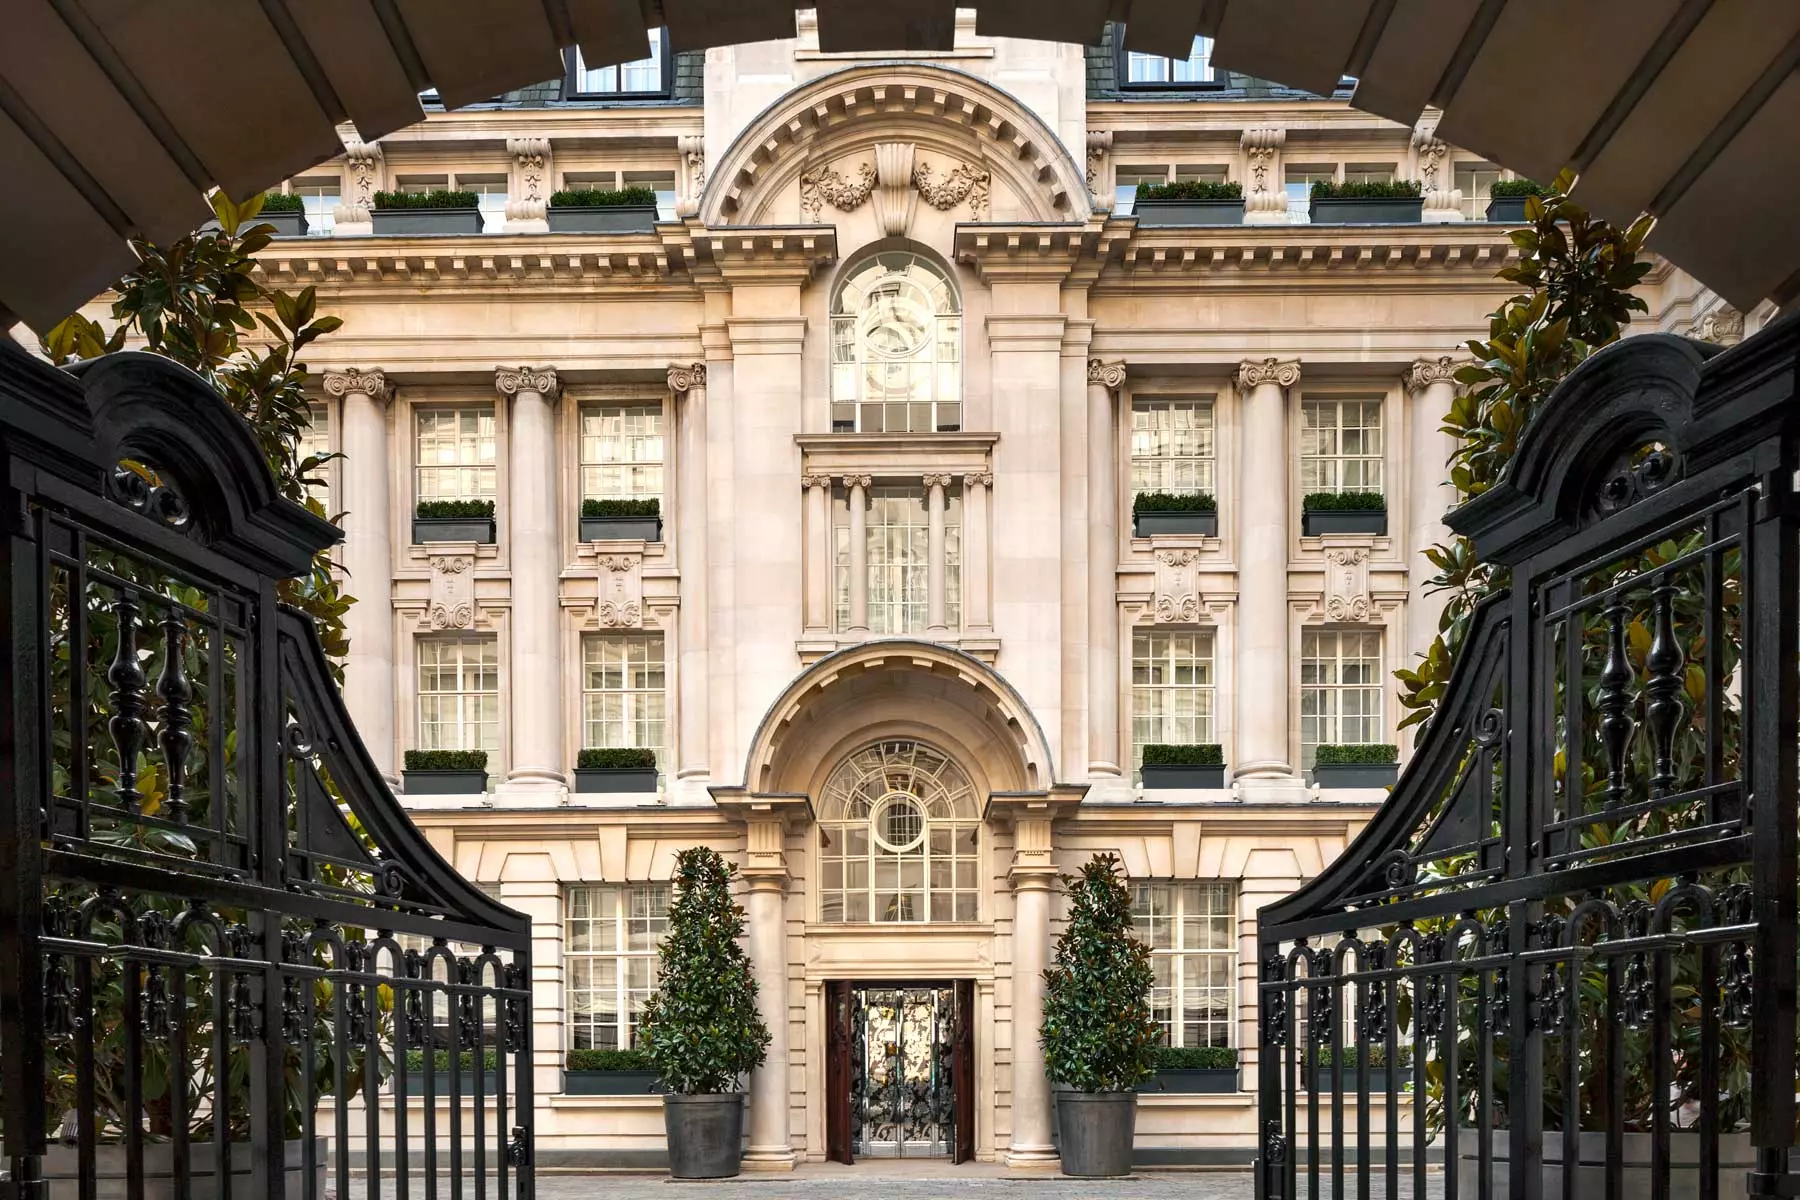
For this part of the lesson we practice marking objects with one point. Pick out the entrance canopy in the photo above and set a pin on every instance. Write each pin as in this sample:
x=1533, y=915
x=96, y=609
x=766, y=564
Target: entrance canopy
x=116, y=115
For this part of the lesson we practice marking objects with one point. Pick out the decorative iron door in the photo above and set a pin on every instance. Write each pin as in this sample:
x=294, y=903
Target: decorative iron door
x=902, y=1098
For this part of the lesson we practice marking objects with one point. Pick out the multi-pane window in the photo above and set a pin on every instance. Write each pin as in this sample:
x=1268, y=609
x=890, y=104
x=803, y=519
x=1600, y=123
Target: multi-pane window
x=1299, y=179
x=610, y=939
x=459, y=693
x=454, y=449
x=315, y=442
x=623, y=701
x=1171, y=689
x=898, y=555
x=660, y=182
x=1340, y=446
x=1340, y=689
x=321, y=197
x=1127, y=178
x=1154, y=68
x=1368, y=172
x=1172, y=446
x=899, y=837
x=490, y=196
x=1190, y=929
x=621, y=452
x=643, y=76
x=896, y=348
x=1473, y=180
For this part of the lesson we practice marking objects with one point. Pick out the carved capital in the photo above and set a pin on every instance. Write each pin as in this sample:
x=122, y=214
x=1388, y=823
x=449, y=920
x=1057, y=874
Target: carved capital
x=1426, y=371
x=353, y=381
x=686, y=376
x=1109, y=375
x=542, y=380
x=815, y=481
x=938, y=481
x=1256, y=372
x=1723, y=325
x=858, y=481
x=979, y=479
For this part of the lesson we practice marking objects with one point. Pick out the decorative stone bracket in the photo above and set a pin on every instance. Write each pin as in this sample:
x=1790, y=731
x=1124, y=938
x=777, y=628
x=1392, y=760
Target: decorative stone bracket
x=364, y=160
x=1265, y=197
x=1101, y=179
x=526, y=211
x=691, y=179
x=1443, y=202
x=1347, y=585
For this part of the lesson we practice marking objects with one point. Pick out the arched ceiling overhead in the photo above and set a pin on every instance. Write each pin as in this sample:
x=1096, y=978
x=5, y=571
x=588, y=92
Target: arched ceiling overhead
x=115, y=115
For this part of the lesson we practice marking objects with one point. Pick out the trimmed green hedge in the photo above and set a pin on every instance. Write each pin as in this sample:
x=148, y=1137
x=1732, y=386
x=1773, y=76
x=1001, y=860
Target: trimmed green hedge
x=602, y=197
x=1387, y=189
x=615, y=758
x=1190, y=189
x=1325, y=1055
x=607, y=1060
x=1145, y=502
x=446, y=760
x=1515, y=187
x=439, y=510
x=621, y=508
x=283, y=202
x=1362, y=754
x=490, y=1060
x=1196, y=1058
x=435, y=199
x=1200, y=754
x=1344, y=502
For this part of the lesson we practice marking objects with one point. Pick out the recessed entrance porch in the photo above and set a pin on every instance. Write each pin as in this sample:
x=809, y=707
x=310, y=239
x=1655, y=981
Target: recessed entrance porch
x=900, y=1070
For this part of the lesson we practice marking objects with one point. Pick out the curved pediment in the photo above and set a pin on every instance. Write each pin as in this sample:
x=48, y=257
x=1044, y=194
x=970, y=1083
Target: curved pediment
x=893, y=137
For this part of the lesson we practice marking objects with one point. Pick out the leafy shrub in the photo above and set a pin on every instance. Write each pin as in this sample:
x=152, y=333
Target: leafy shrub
x=435, y=199
x=1515, y=187
x=621, y=508
x=1099, y=1034
x=615, y=759
x=1180, y=502
x=607, y=1060
x=1196, y=1058
x=1344, y=502
x=453, y=510
x=282, y=202
x=1324, y=1056
x=1199, y=754
x=415, y=1060
x=1379, y=189
x=1190, y=189
x=446, y=760
x=1360, y=754
x=602, y=197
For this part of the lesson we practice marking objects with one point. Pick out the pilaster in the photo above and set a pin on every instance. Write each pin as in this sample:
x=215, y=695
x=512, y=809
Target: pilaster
x=1106, y=381
x=537, y=763
x=687, y=384
x=1430, y=387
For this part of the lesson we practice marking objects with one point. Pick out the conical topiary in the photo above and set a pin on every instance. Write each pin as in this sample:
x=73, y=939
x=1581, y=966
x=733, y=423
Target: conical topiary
x=701, y=1029
x=1099, y=1033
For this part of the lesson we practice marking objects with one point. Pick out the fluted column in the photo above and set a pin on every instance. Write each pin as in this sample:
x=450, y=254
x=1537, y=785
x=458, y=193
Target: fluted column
x=935, y=570
x=1104, y=382
x=1430, y=386
x=368, y=559
x=818, y=553
x=1263, y=680
x=977, y=586
x=688, y=384
x=858, y=487
x=537, y=759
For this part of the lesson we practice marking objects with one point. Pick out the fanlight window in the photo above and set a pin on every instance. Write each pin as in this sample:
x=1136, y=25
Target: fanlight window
x=896, y=349
x=899, y=837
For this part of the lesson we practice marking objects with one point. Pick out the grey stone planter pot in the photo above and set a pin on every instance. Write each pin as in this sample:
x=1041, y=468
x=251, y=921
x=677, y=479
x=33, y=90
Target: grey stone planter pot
x=287, y=224
x=1343, y=520
x=406, y=222
x=612, y=218
x=1384, y=210
x=615, y=779
x=1509, y=210
x=621, y=529
x=1736, y=1160
x=1161, y=214
x=60, y=1168
x=706, y=1135
x=1355, y=775
x=1150, y=524
x=1158, y=778
x=609, y=1083
x=453, y=529
x=1095, y=1132
x=1193, y=1081
x=444, y=783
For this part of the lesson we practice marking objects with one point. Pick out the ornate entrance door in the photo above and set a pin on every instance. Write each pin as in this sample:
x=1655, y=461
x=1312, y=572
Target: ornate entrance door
x=901, y=1094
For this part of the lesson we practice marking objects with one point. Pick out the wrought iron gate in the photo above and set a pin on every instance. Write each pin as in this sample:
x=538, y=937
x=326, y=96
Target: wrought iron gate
x=229, y=964
x=903, y=1099
x=1569, y=935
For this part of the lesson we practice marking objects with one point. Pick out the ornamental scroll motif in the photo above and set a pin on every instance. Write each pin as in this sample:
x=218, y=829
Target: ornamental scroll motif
x=1177, y=587
x=621, y=603
x=1426, y=371
x=822, y=184
x=965, y=182
x=452, y=600
x=1252, y=373
x=686, y=376
x=1109, y=375
x=541, y=380
x=1347, y=585
x=353, y=381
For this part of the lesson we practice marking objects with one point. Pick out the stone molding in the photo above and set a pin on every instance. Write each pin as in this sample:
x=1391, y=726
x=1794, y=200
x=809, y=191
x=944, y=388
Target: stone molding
x=542, y=380
x=1256, y=372
x=684, y=377
x=1266, y=196
x=1423, y=372
x=354, y=381
x=1109, y=375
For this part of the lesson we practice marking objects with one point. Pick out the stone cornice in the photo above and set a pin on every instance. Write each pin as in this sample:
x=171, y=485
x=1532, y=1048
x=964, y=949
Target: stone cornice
x=895, y=455
x=1299, y=250
x=1024, y=252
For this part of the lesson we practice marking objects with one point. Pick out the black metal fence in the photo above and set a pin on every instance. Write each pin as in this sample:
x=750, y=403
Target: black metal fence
x=1561, y=959
x=229, y=964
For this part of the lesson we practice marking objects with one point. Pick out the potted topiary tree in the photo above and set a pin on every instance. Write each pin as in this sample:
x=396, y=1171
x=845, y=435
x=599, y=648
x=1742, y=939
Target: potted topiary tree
x=621, y=520
x=287, y=213
x=603, y=210
x=1360, y=765
x=1507, y=199
x=1343, y=512
x=1193, y=765
x=1174, y=512
x=1189, y=202
x=700, y=1029
x=615, y=769
x=1100, y=1037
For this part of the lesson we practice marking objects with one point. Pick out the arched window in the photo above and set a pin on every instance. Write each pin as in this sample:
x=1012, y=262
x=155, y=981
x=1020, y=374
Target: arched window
x=896, y=348
x=899, y=837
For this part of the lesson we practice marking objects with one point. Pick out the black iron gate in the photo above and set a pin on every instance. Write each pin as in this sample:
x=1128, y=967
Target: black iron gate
x=1561, y=959
x=229, y=964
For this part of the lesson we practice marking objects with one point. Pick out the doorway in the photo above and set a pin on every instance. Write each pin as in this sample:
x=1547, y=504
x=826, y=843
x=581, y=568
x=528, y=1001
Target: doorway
x=900, y=1070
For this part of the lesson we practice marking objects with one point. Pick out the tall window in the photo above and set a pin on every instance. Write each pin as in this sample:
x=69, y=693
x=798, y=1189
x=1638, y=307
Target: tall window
x=896, y=348
x=898, y=554
x=315, y=442
x=1189, y=928
x=321, y=196
x=459, y=693
x=1340, y=446
x=1154, y=68
x=1172, y=446
x=490, y=196
x=455, y=453
x=610, y=941
x=623, y=702
x=899, y=837
x=1340, y=689
x=1171, y=688
x=621, y=452
x=645, y=76
x=1299, y=180
x=1473, y=180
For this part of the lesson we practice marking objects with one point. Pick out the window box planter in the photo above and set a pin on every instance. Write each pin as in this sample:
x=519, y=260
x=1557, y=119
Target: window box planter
x=1509, y=210
x=615, y=779
x=444, y=783
x=407, y=222
x=621, y=529
x=610, y=1083
x=1321, y=522
x=1160, y=777
x=453, y=529
x=602, y=218
x=287, y=224
x=1193, y=1081
x=1153, y=524
x=1367, y=210
x=1164, y=214
x=1365, y=765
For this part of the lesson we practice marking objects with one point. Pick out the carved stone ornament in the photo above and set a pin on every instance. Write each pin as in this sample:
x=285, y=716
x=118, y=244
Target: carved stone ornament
x=1109, y=375
x=893, y=187
x=1177, y=587
x=452, y=600
x=815, y=481
x=353, y=381
x=1099, y=159
x=529, y=155
x=692, y=148
x=981, y=479
x=1723, y=325
x=858, y=481
x=1266, y=193
x=542, y=380
x=1426, y=371
x=1347, y=585
x=364, y=161
x=1254, y=373
x=1435, y=183
x=621, y=601
x=820, y=185
x=932, y=481
x=964, y=182
x=684, y=376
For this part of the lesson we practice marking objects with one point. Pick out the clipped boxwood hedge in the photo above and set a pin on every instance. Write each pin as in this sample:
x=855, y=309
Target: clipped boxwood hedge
x=607, y=1060
x=1344, y=502
x=435, y=199
x=602, y=197
x=283, y=202
x=1362, y=754
x=453, y=510
x=1325, y=1056
x=618, y=758
x=621, y=508
x=1387, y=189
x=1199, y=754
x=1502, y=188
x=1190, y=189
x=1174, y=502
x=1196, y=1058
x=415, y=1060
x=446, y=760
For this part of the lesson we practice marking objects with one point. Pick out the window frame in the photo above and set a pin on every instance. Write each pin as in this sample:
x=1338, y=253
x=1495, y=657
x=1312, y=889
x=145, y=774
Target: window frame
x=838, y=316
x=1209, y=690
x=419, y=411
x=489, y=643
x=583, y=464
x=621, y=954
x=1176, y=954
x=1376, y=461
x=631, y=697
x=1207, y=463
x=572, y=71
x=1122, y=67
x=1337, y=688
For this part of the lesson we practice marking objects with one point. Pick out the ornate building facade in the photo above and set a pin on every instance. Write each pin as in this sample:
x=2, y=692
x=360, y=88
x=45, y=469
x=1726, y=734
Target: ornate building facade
x=895, y=358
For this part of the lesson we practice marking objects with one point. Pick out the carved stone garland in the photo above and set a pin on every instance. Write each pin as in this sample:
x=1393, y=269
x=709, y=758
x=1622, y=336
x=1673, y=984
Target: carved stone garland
x=822, y=184
x=894, y=172
x=965, y=182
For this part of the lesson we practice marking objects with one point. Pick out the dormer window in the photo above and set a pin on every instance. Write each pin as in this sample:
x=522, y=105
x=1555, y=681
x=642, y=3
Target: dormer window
x=896, y=348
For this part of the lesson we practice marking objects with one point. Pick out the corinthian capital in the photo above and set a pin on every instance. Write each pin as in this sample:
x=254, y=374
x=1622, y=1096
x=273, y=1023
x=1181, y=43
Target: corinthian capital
x=353, y=381
x=1254, y=372
x=513, y=380
x=1109, y=375
x=684, y=376
x=1426, y=371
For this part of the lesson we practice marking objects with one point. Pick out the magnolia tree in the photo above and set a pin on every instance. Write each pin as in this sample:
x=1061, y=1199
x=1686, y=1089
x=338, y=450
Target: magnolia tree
x=1099, y=1033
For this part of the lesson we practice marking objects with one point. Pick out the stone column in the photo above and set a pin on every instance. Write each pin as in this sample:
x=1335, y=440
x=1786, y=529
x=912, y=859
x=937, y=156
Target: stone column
x=1104, y=382
x=1430, y=387
x=1033, y=875
x=977, y=590
x=818, y=554
x=1264, y=534
x=368, y=559
x=535, y=624
x=858, y=486
x=688, y=385
x=936, y=574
